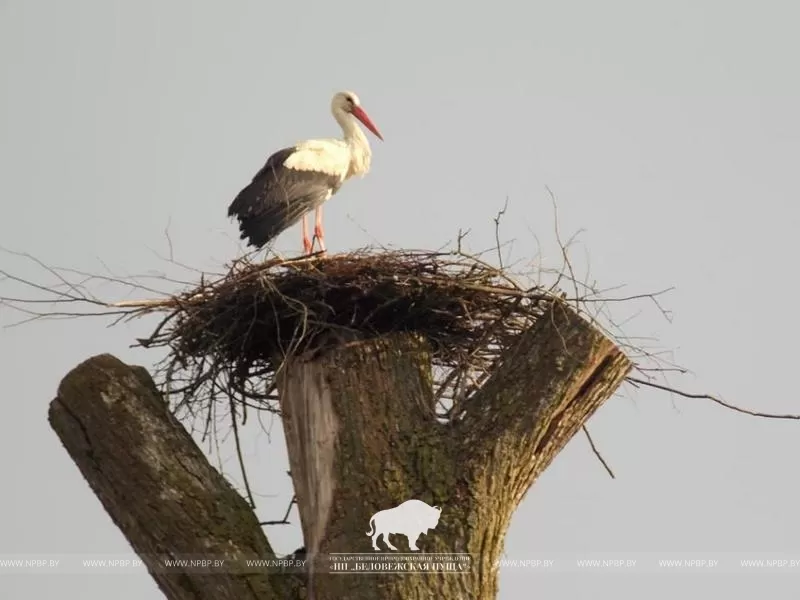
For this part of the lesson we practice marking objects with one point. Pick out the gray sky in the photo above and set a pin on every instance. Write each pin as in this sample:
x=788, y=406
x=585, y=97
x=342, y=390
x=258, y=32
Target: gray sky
x=669, y=131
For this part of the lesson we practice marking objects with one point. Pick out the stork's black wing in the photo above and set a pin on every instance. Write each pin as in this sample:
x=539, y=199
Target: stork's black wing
x=277, y=198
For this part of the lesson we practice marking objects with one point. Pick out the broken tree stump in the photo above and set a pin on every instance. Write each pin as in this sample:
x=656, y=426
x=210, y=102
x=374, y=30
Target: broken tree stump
x=362, y=436
x=157, y=485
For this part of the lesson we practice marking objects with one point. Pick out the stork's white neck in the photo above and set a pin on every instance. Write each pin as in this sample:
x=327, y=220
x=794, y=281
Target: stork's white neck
x=360, y=152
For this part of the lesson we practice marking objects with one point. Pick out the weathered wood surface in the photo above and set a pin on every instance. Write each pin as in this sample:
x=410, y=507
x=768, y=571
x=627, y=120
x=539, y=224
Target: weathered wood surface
x=368, y=409
x=362, y=437
x=156, y=484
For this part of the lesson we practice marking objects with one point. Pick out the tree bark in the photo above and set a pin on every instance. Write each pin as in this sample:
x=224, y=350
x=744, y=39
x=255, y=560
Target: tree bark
x=157, y=485
x=362, y=437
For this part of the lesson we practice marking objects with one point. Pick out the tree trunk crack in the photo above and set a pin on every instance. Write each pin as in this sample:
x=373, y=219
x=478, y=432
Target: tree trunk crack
x=89, y=449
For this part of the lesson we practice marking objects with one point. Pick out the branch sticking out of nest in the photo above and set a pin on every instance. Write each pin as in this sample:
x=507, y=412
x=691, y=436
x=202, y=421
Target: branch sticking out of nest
x=229, y=334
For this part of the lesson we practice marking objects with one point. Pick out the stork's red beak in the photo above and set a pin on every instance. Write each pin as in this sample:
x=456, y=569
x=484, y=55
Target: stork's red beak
x=362, y=116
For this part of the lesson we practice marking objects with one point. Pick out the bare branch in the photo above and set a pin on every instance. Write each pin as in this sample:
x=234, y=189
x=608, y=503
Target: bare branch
x=497, y=219
x=752, y=413
x=597, y=453
x=285, y=519
x=238, y=442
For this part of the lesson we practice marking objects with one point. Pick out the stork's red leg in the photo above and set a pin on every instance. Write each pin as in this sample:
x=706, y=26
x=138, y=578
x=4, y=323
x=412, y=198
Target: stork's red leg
x=307, y=244
x=318, y=232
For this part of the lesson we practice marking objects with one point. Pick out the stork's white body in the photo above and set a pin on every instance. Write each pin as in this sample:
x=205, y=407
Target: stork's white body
x=341, y=158
x=299, y=179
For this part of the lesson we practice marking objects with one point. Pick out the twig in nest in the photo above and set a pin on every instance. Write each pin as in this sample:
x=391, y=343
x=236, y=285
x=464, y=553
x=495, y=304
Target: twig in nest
x=237, y=441
x=564, y=247
x=497, y=219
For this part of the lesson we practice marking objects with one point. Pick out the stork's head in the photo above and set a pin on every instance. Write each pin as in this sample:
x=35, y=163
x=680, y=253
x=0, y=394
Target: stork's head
x=348, y=103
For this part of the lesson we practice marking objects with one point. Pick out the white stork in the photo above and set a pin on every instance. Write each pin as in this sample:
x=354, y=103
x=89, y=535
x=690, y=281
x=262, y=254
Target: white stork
x=301, y=178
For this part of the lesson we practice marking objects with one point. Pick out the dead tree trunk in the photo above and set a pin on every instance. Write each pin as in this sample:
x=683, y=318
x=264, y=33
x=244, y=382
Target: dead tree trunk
x=362, y=437
x=157, y=485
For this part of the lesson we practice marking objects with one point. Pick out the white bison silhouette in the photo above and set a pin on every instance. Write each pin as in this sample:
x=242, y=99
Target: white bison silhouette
x=412, y=518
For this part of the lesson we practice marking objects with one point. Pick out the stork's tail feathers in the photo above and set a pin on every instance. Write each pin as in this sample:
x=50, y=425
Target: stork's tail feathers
x=260, y=222
x=278, y=197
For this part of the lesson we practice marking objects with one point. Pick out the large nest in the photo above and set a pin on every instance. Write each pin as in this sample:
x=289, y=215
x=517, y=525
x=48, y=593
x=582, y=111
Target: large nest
x=229, y=337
